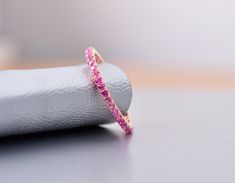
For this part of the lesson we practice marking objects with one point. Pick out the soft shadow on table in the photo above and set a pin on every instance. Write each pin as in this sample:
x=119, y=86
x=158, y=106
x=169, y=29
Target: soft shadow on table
x=91, y=154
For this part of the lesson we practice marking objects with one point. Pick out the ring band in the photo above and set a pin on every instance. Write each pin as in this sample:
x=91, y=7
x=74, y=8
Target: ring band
x=93, y=58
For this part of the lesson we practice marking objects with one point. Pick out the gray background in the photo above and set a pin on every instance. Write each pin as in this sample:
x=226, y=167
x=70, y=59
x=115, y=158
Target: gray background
x=180, y=136
x=183, y=32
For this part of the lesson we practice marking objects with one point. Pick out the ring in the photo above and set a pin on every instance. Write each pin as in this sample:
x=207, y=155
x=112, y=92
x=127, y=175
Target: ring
x=93, y=58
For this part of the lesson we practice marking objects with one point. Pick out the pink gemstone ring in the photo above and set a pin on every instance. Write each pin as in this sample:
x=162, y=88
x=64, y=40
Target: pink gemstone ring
x=93, y=59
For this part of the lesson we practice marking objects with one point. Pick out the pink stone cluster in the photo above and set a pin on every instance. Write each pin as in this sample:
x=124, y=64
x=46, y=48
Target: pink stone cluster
x=91, y=57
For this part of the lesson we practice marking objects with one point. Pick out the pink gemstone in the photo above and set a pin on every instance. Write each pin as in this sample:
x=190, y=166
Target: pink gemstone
x=128, y=130
x=111, y=105
x=114, y=112
x=88, y=53
x=108, y=99
x=90, y=62
x=98, y=81
x=96, y=74
x=119, y=118
x=101, y=87
x=122, y=121
x=124, y=126
x=93, y=67
x=90, y=56
x=105, y=93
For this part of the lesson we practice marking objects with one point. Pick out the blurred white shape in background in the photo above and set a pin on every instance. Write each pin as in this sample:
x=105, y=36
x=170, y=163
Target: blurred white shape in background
x=7, y=52
x=7, y=46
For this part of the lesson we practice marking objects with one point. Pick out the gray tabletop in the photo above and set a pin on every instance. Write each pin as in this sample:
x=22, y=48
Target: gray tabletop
x=180, y=136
